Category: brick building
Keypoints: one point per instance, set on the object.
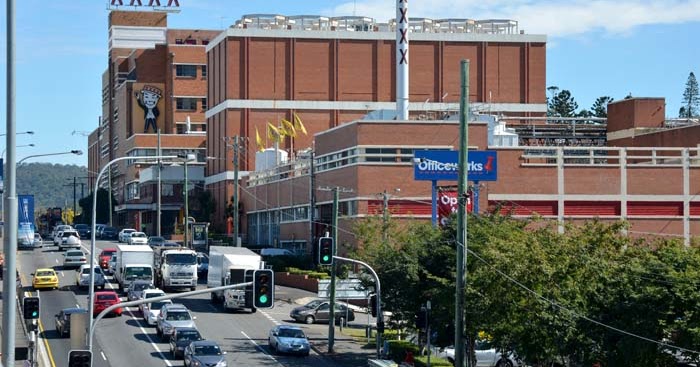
(330, 71)
(155, 79)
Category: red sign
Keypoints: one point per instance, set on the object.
(448, 203)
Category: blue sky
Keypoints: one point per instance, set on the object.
(595, 48)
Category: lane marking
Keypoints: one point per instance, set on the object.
(153, 344)
(56, 261)
(257, 346)
(103, 355)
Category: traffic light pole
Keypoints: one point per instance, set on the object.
(380, 316)
(331, 318)
(158, 299)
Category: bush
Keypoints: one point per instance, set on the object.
(398, 349)
(309, 273)
(279, 263)
(422, 361)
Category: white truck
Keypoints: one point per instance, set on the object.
(232, 265)
(133, 262)
(176, 268)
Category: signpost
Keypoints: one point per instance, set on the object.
(443, 165)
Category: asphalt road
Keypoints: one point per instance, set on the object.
(128, 341)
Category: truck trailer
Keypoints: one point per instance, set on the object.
(134, 262)
(232, 265)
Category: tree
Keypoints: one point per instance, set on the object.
(552, 90)
(563, 104)
(691, 97)
(102, 207)
(600, 106)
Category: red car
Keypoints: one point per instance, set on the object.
(105, 299)
(105, 255)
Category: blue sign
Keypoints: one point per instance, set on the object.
(443, 165)
(26, 210)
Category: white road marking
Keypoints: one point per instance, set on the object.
(103, 355)
(77, 305)
(259, 347)
(56, 261)
(63, 275)
(167, 362)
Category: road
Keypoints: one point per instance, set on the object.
(128, 341)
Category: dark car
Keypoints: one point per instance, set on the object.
(181, 338)
(155, 241)
(204, 353)
(109, 233)
(63, 320)
(83, 230)
(319, 311)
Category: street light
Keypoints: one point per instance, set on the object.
(18, 146)
(91, 293)
(75, 151)
(21, 132)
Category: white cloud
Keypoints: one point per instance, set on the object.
(554, 18)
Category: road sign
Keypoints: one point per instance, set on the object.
(344, 289)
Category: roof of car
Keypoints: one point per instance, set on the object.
(107, 292)
(204, 343)
(154, 290)
(182, 328)
(112, 249)
(290, 327)
(74, 310)
(87, 266)
(175, 306)
(141, 281)
(45, 269)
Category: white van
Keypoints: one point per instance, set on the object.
(276, 252)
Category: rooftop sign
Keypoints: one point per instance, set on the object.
(443, 165)
(115, 4)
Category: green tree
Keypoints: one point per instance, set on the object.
(600, 106)
(102, 207)
(563, 104)
(691, 97)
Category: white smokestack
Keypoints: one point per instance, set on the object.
(402, 59)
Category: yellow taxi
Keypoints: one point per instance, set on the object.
(45, 278)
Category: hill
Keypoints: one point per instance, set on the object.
(51, 184)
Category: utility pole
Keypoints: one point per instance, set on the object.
(462, 217)
(236, 143)
(385, 213)
(109, 194)
(187, 208)
(312, 200)
(158, 194)
(74, 184)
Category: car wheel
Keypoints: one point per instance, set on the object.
(504, 363)
(309, 319)
(273, 349)
(306, 354)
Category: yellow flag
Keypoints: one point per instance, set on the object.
(272, 133)
(258, 140)
(289, 128)
(298, 125)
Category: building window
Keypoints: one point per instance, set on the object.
(132, 191)
(205, 42)
(186, 71)
(186, 104)
(179, 41)
(191, 41)
(204, 71)
(167, 190)
(204, 104)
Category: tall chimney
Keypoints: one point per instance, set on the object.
(402, 59)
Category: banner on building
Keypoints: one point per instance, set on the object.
(448, 203)
(147, 108)
(443, 165)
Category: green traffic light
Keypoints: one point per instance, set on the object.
(263, 299)
(326, 258)
(35, 314)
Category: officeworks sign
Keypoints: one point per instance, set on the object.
(443, 165)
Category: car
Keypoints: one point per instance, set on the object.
(62, 320)
(486, 355)
(181, 338)
(98, 230)
(112, 263)
(68, 239)
(319, 311)
(150, 311)
(109, 233)
(45, 278)
(104, 299)
(105, 256)
(136, 289)
(155, 241)
(288, 339)
(59, 228)
(137, 238)
(38, 241)
(202, 263)
(204, 353)
(172, 316)
(83, 230)
(125, 233)
(74, 258)
(82, 277)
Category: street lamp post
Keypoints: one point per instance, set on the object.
(91, 293)
(21, 132)
(187, 158)
(75, 151)
(17, 146)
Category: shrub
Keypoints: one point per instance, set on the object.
(398, 348)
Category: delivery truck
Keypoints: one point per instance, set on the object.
(133, 262)
(232, 265)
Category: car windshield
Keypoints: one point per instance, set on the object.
(202, 260)
(107, 253)
(188, 335)
(139, 235)
(157, 305)
(314, 303)
(138, 272)
(87, 271)
(207, 350)
(153, 295)
(68, 234)
(142, 286)
(106, 297)
(291, 333)
(74, 253)
(45, 273)
(181, 259)
(178, 316)
(156, 239)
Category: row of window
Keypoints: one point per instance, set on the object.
(149, 152)
(190, 104)
(190, 71)
(362, 154)
(190, 41)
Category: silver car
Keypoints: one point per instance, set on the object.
(204, 353)
(82, 277)
(150, 311)
(136, 288)
(74, 258)
(288, 339)
(172, 316)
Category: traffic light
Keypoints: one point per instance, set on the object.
(263, 288)
(325, 251)
(30, 308)
(79, 358)
(373, 305)
(422, 318)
